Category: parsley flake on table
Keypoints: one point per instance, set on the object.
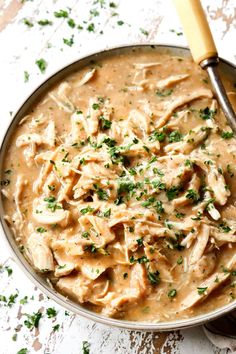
(32, 320)
(61, 14)
(51, 312)
(28, 22)
(44, 22)
(91, 27)
(71, 23)
(56, 327)
(85, 347)
(22, 351)
(69, 41)
(42, 65)
(26, 76)
(143, 31)
(120, 23)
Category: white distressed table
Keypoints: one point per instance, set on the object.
(23, 41)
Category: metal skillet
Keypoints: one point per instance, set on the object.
(204, 51)
(38, 279)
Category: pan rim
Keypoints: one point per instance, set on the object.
(37, 279)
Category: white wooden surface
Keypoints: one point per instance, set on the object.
(20, 47)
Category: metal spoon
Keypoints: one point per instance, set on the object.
(203, 50)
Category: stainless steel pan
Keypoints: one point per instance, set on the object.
(40, 281)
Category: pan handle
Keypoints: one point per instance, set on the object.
(196, 29)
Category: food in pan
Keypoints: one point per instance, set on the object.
(119, 186)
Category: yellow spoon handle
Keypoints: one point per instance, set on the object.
(196, 29)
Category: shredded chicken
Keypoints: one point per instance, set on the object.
(120, 186)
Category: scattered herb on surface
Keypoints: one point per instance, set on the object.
(26, 76)
(51, 312)
(85, 347)
(143, 31)
(32, 320)
(61, 14)
(27, 22)
(22, 351)
(69, 41)
(56, 327)
(45, 22)
(42, 65)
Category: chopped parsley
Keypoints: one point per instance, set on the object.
(24, 300)
(94, 12)
(86, 210)
(45, 23)
(71, 23)
(91, 27)
(95, 106)
(104, 123)
(69, 41)
(22, 351)
(33, 320)
(172, 293)
(28, 22)
(61, 14)
(26, 76)
(106, 213)
(157, 136)
(143, 31)
(224, 227)
(52, 203)
(120, 23)
(193, 195)
(164, 93)
(207, 113)
(173, 192)
(51, 312)
(51, 188)
(91, 248)
(179, 260)
(41, 229)
(202, 290)
(5, 182)
(227, 135)
(140, 241)
(85, 347)
(7, 269)
(179, 215)
(101, 193)
(85, 234)
(42, 65)
(175, 136)
(154, 277)
(56, 327)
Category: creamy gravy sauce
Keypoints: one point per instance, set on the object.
(119, 186)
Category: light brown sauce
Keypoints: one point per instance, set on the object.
(131, 209)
